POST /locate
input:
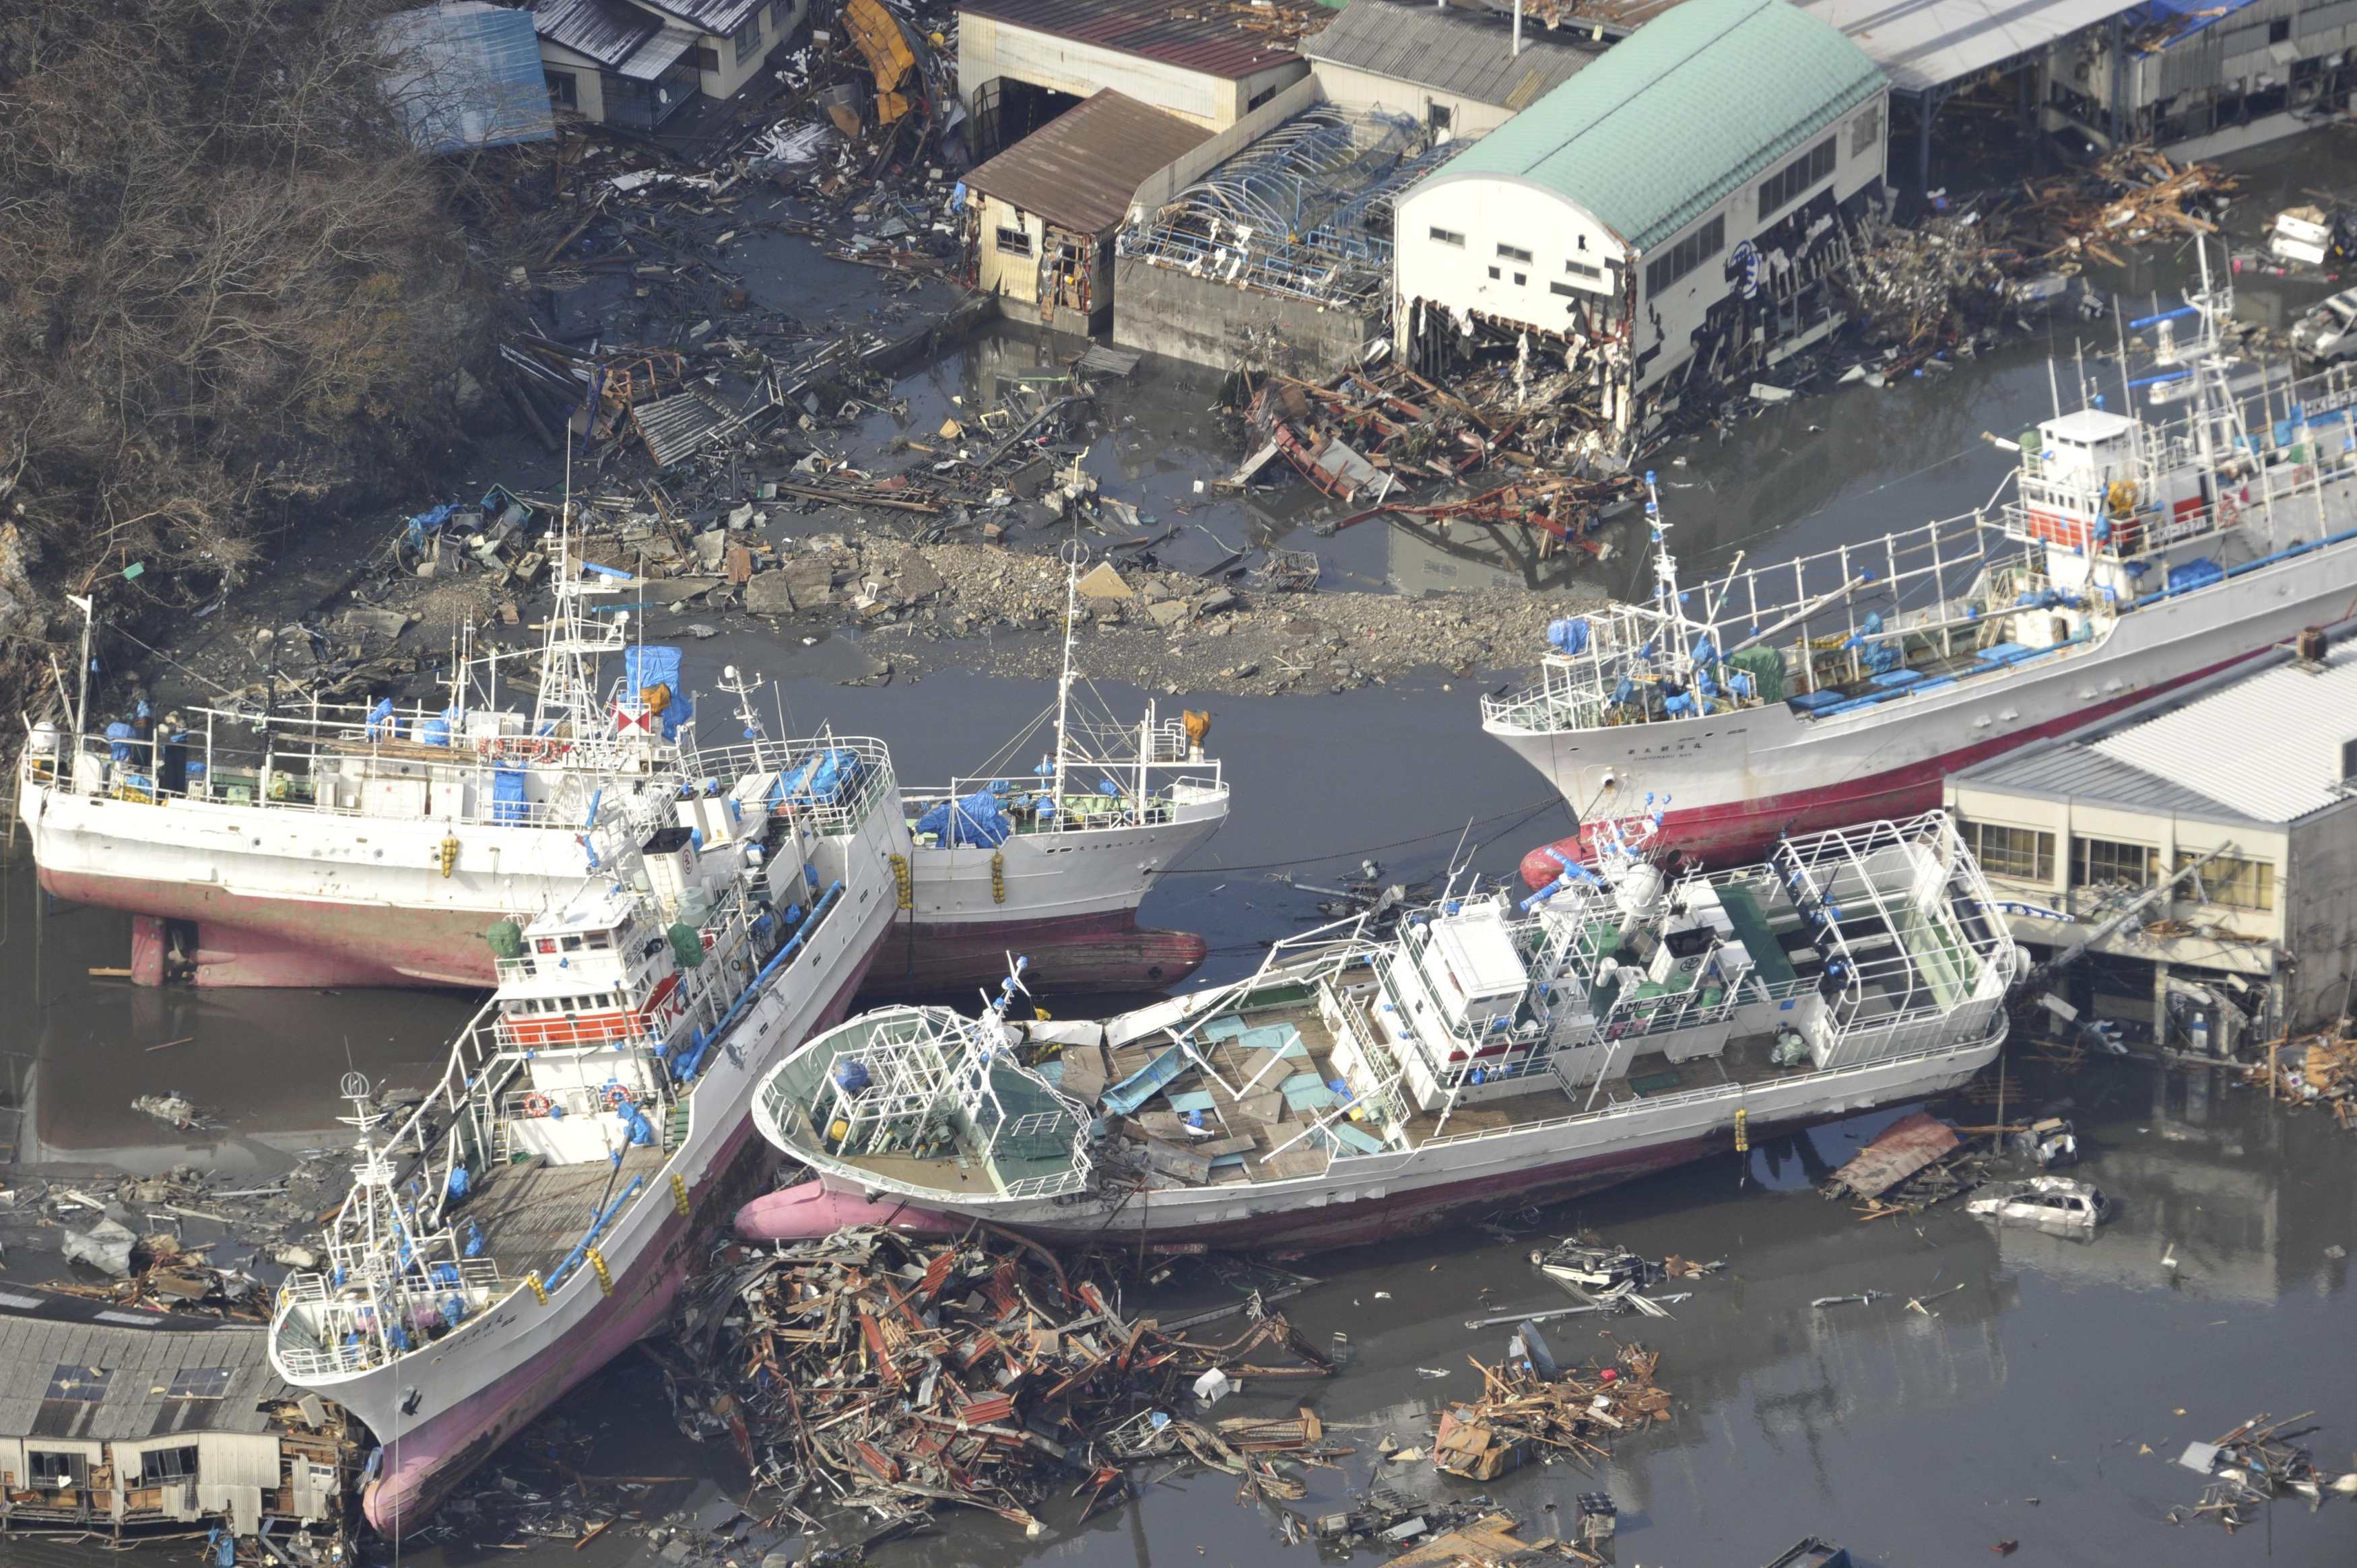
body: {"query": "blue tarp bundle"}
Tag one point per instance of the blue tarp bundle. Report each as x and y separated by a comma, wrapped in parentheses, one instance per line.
(822, 780)
(2199, 572)
(650, 666)
(427, 522)
(118, 741)
(1569, 635)
(976, 820)
(381, 723)
(508, 801)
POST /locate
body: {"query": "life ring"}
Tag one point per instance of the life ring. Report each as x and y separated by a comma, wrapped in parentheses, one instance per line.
(617, 1097)
(535, 1104)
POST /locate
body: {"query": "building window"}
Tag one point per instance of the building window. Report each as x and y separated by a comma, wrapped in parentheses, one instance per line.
(707, 59)
(2236, 883)
(1436, 116)
(749, 39)
(1582, 270)
(1449, 236)
(48, 1468)
(1263, 96)
(1494, 272)
(163, 1466)
(2098, 863)
(1522, 279)
(1788, 184)
(1564, 289)
(562, 92)
(1865, 130)
(1514, 253)
(1685, 256)
(2019, 854)
(2280, 30)
(1013, 242)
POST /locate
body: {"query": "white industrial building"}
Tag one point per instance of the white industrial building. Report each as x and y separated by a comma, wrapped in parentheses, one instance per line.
(1023, 62)
(2204, 81)
(1670, 212)
(2087, 832)
(1457, 72)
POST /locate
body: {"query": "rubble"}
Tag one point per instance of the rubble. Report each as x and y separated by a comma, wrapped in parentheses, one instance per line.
(2251, 1465)
(875, 1373)
(1529, 1409)
(2318, 1070)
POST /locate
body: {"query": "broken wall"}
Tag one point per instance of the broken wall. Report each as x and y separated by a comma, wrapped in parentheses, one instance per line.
(1160, 310)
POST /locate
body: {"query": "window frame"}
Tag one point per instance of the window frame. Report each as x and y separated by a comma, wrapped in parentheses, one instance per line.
(1439, 235)
(2211, 888)
(1514, 253)
(1798, 178)
(998, 241)
(185, 1454)
(75, 1470)
(747, 38)
(2083, 860)
(1667, 272)
(564, 88)
(2003, 860)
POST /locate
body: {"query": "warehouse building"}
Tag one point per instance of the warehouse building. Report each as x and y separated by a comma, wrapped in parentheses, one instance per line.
(1023, 62)
(1041, 216)
(2202, 80)
(2102, 834)
(1458, 72)
(1665, 220)
(115, 1422)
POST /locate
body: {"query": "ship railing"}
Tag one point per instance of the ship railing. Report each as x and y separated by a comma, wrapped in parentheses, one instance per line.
(1652, 1103)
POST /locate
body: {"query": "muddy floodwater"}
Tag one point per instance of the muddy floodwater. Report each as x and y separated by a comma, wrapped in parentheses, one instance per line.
(2038, 1391)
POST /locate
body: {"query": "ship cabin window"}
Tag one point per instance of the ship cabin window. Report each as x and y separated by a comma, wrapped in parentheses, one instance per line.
(598, 941)
(572, 944)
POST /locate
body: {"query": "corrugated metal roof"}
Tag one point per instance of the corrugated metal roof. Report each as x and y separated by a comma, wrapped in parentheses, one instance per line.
(1213, 45)
(1079, 169)
(466, 74)
(1693, 104)
(1921, 44)
(2268, 745)
(605, 30)
(2073, 770)
(658, 54)
(137, 1356)
(721, 17)
(1469, 55)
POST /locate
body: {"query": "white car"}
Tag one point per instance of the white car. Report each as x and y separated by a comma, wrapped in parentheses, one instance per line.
(2330, 331)
(2058, 1201)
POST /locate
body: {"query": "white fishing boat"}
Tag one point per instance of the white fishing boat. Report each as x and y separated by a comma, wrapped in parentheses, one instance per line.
(1352, 1089)
(535, 1214)
(2135, 554)
(372, 845)
(1053, 860)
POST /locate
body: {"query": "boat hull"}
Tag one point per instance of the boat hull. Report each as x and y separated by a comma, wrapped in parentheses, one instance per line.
(1378, 1197)
(1100, 952)
(1727, 784)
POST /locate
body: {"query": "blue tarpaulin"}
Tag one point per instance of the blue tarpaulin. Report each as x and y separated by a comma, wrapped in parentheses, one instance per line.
(650, 666)
(466, 74)
(1569, 635)
(822, 780)
(976, 820)
(508, 801)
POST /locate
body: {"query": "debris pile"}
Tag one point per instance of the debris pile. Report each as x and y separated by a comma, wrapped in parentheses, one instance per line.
(2252, 1465)
(2130, 196)
(2320, 1070)
(1606, 1278)
(1531, 1408)
(881, 1374)
(1915, 1161)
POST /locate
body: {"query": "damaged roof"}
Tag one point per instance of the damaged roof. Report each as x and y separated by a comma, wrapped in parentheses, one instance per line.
(1214, 46)
(1692, 105)
(607, 31)
(465, 74)
(1468, 55)
(85, 1370)
(1080, 170)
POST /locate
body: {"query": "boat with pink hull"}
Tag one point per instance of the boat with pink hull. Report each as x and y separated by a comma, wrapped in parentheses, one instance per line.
(371, 845)
(2137, 551)
(1353, 1090)
(535, 1213)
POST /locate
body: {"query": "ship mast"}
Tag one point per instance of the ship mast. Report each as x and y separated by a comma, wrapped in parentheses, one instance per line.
(1666, 597)
(1074, 552)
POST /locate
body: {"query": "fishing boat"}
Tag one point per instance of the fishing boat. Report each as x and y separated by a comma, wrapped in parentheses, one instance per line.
(535, 1213)
(371, 844)
(1491, 1052)
(2135, 554)
(1054, 861)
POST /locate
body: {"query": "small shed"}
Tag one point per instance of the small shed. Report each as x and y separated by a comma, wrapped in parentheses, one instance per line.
(1041, 216)
(115, 1422)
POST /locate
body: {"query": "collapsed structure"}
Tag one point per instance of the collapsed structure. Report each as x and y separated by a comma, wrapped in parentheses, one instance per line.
(1657, 248)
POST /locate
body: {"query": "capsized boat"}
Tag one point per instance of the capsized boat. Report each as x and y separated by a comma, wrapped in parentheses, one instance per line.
(2136, 553)
(1352, 1089)
(1054, 863)
(535, 1213)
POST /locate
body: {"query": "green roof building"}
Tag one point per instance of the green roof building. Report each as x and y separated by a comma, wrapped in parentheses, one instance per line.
(1681, 196)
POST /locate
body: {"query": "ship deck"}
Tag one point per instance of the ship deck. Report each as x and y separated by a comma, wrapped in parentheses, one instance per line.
(531, 1215)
